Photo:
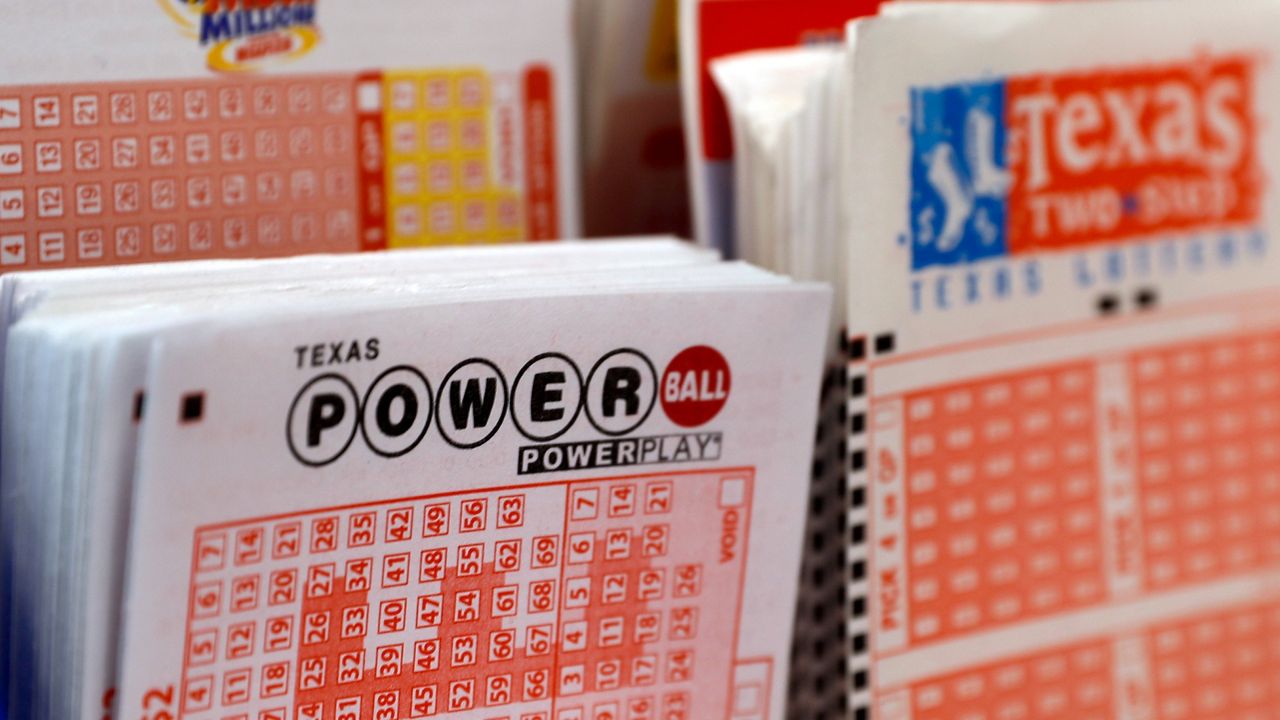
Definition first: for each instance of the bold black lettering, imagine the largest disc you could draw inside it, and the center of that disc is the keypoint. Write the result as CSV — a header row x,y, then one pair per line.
x,y
471,402
396,428
327,411
529,460
543,395
621,384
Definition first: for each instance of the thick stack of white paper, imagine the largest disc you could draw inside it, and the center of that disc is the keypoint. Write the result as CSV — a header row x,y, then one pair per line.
x,y
780,109
714,29
554,483
1063,423
783,106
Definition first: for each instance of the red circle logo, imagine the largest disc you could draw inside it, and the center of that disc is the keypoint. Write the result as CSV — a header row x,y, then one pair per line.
x,y
695,386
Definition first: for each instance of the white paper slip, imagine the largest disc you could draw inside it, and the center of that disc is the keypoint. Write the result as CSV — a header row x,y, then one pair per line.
x,y
125,308
655,440
179,129
1062,392
593,550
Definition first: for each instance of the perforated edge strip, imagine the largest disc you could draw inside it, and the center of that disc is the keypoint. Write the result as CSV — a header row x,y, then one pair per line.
x,y
857,582
817,689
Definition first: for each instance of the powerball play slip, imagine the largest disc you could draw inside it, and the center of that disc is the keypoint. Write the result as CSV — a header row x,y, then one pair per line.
x,y
592,509
183,129
1064,390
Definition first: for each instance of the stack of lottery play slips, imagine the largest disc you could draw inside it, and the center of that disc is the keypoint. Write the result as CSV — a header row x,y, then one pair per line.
x,y
1063,398
531,482
711,30
786,223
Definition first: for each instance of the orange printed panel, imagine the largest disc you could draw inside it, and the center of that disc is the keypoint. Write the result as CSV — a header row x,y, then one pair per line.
x,y
1208,429
1091,159
1002,501
1073,683
138,172
1221,667
1122,511
568,601
540,163
1034,493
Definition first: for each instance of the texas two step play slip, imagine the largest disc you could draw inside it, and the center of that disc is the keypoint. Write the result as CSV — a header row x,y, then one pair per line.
x,y
531,483
1063,409
1062,422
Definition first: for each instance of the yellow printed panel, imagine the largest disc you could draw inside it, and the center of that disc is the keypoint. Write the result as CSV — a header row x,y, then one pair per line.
x,y
662,57
441,151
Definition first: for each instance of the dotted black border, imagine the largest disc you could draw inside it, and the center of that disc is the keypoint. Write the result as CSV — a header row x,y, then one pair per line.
x,y
857,670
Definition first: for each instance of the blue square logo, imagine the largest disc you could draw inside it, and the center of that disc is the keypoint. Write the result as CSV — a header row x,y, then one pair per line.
x,y
959,174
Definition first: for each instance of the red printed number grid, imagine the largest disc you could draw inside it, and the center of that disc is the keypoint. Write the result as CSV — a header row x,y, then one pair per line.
x,y
1022,495
1220,666
134,172
253,166
594,600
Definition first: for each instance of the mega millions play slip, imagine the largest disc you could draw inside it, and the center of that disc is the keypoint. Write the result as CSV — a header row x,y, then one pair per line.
x,y
530,483
183,129
1064,390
